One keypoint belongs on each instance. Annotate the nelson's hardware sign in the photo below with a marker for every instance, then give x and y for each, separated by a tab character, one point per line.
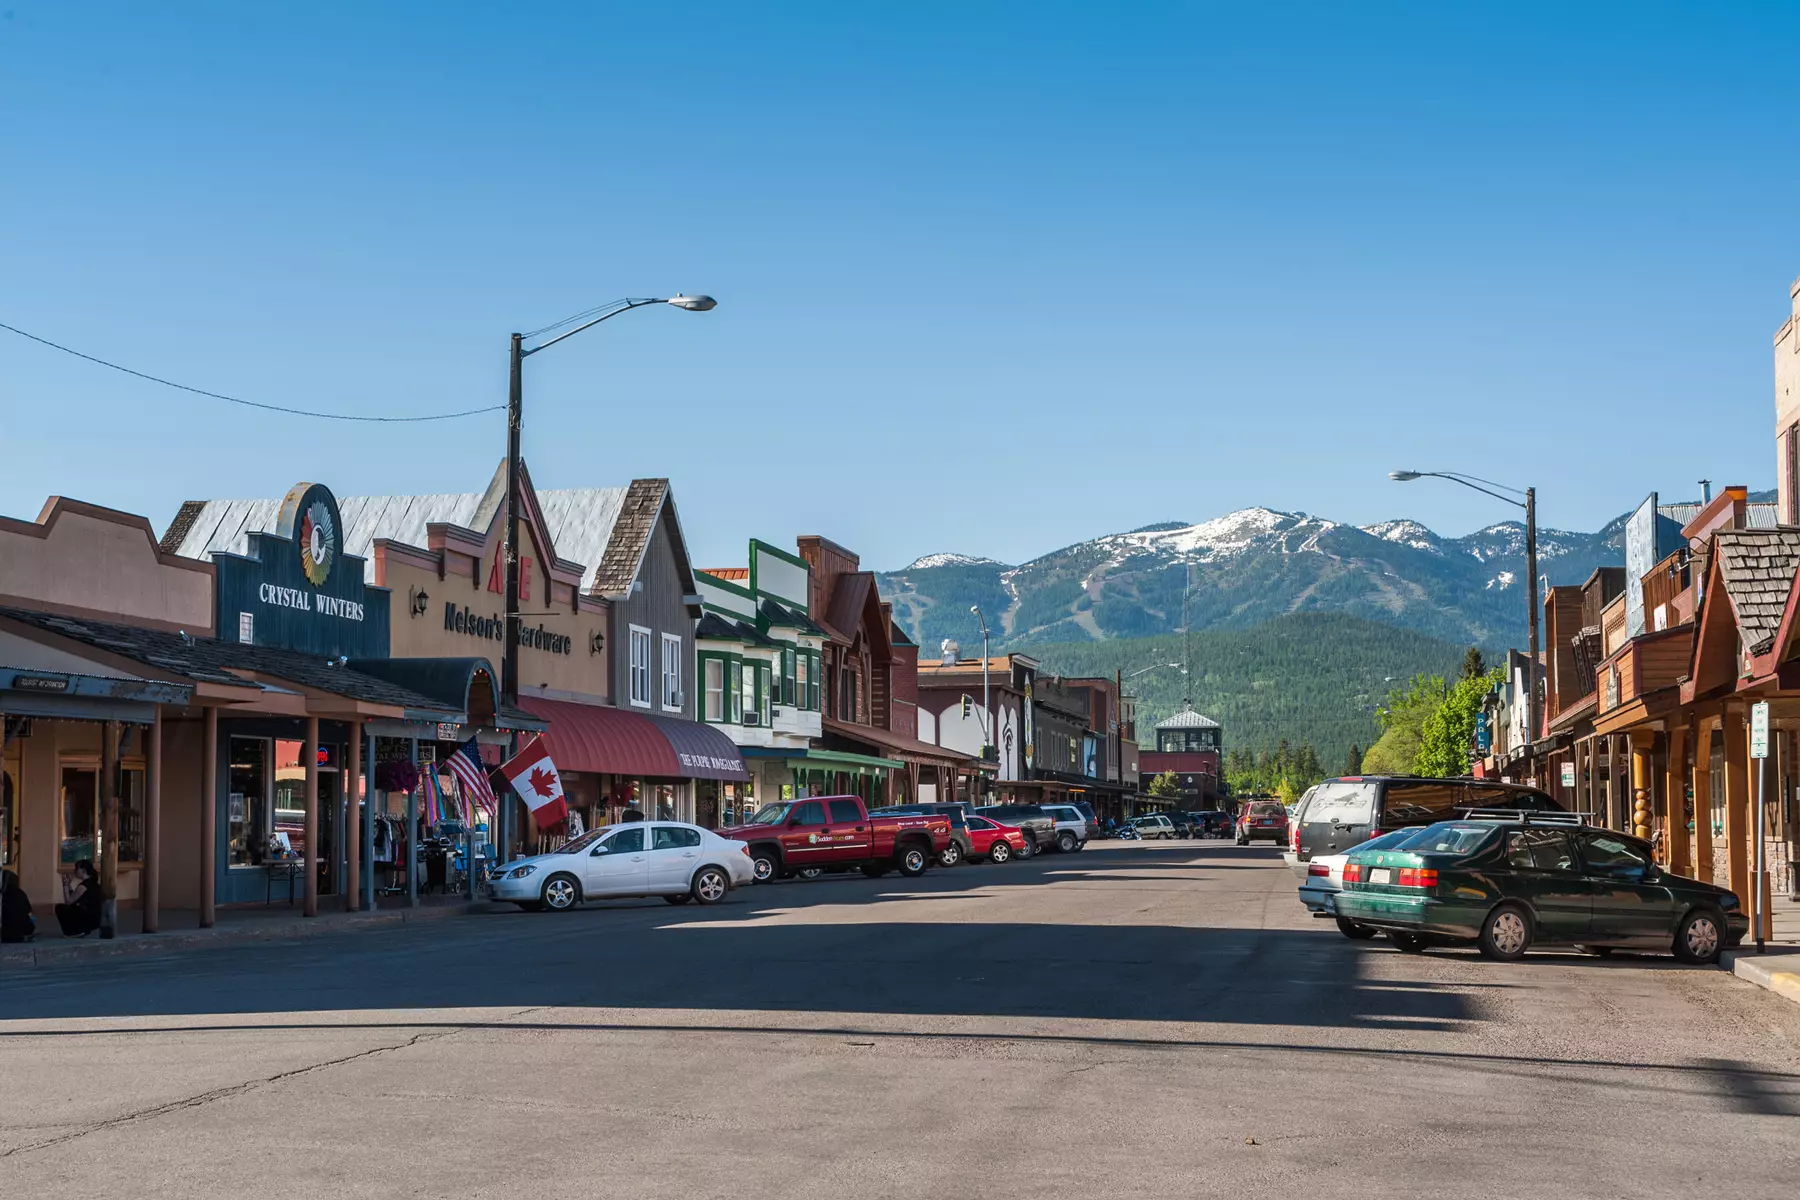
493	627
296	589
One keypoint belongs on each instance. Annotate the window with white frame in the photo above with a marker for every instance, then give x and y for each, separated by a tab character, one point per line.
800	664
671	672
640	666
715	689
749	693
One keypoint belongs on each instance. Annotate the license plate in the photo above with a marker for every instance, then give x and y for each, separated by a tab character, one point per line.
1265	822
1379	875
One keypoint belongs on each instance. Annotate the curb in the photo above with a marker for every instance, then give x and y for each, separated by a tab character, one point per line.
1778	972
55	954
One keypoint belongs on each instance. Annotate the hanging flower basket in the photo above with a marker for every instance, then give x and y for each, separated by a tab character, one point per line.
396	775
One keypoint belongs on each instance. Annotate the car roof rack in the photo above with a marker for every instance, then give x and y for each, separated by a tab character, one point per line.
1524	816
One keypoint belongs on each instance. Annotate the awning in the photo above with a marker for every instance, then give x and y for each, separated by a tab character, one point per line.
618	741
62	695
807	756
898	745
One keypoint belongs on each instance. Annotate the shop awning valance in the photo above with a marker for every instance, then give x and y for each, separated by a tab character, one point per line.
619	741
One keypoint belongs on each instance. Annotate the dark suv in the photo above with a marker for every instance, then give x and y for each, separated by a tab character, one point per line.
958	850
1039	825
1344	813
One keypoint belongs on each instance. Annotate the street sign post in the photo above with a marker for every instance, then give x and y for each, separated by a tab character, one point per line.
1759	750
1568	774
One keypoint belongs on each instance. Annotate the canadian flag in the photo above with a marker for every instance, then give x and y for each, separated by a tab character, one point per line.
534	777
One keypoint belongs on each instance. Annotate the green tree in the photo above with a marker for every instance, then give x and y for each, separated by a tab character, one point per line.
1447	732
1396	751
1474	666
1353	764
1165	786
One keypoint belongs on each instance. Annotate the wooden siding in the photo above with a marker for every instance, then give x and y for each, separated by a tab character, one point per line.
659	607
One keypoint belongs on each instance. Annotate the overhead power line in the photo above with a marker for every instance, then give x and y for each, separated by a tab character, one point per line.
294	412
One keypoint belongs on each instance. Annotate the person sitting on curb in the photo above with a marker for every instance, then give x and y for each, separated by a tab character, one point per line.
81	916
16	922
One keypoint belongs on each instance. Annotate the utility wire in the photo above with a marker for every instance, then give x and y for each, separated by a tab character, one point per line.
296	412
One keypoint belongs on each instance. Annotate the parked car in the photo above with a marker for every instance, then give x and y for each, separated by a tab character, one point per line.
993	841
1324	879
1038	825
790	836
1504	885
1087	812
1183	825
1072	831
1153	825
1344	813
1262	820
678	862
959	849
1212	823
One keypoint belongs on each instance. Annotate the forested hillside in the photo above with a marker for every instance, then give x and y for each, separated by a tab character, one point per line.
1312	678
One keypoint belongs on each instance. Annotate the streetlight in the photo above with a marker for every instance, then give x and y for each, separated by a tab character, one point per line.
515	402
986	712
1529	504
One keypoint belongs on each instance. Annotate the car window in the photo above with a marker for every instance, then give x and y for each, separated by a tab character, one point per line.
1540	850
1390	841
1512	799
626	841
1410	802
980	823
1449	837
1341	803
1612	856
673	837
810	813
845	812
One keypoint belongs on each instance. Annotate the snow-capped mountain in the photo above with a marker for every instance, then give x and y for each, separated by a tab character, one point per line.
1241	569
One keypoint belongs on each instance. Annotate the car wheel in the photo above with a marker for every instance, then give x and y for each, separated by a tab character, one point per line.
683	898
1353	931
765	865
999	852
950	855
1028	849
874	872
913	862
1065	842
810	872
1506	934
710	886
1699	937
561	893
1408	943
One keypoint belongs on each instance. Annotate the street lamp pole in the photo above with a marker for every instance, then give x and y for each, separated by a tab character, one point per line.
987	712
1529	504
515	412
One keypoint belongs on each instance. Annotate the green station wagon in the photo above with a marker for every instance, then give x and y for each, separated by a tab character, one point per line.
1505	883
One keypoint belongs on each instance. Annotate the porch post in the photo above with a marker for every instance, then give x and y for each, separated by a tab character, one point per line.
209	818
109	829
1702	786
1642	740
151	897
310	860
1737	803
411	840
351	775
368	833
1675	841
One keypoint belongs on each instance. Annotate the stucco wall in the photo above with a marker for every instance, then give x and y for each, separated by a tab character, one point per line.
102	563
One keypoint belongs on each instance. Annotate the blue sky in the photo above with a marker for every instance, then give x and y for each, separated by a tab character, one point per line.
992	279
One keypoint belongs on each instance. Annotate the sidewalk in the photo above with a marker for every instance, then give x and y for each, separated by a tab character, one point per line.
235	926
1779	969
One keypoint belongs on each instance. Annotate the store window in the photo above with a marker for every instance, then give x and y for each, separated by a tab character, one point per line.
80	815
671	672
665	802
765	677
715	689
247	802
640	667
9	817
787	676
733	685
131	816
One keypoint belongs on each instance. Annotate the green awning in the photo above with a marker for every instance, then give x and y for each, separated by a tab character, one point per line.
827	759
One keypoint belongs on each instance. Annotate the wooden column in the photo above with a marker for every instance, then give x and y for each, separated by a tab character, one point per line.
1675	777
350	772
151	891
209	819
1737	803
1702	784
109	829
1642	742
309	865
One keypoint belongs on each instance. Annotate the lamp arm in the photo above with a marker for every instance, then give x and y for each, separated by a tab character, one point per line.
1475	486
619	307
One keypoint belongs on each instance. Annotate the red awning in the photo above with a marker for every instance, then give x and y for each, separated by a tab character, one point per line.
618	741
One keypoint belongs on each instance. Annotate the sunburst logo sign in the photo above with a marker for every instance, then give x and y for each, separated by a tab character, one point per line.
318	542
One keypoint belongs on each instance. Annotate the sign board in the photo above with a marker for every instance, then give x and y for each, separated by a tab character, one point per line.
1568	774
1484	737
1759	729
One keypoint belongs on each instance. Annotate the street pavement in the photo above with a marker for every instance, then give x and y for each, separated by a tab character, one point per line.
1158	1019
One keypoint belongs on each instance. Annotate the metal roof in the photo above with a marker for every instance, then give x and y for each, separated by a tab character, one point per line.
1187	718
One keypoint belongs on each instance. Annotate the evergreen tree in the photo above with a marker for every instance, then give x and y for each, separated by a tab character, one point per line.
1353	763
1474	666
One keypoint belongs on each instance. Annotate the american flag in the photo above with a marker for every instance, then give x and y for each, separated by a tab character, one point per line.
471	775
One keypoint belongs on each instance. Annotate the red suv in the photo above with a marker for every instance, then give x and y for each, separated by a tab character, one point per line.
1264	820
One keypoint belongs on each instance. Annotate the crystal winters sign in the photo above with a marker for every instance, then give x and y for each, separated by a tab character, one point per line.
301	591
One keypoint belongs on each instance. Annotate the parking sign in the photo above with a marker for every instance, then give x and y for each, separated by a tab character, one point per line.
1759	729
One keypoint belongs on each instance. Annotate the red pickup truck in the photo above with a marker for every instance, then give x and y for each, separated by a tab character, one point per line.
836	832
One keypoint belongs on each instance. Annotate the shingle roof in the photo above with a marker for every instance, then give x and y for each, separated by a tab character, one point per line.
1757	567
208	660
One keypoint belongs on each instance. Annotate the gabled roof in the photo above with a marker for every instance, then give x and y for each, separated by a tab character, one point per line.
1187	718
718	627
780	616
1757	568
610	529
856	604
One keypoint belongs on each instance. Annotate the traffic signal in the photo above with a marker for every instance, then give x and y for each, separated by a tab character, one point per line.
968	706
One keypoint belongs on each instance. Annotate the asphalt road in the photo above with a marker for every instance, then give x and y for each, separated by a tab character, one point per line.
1134	1020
